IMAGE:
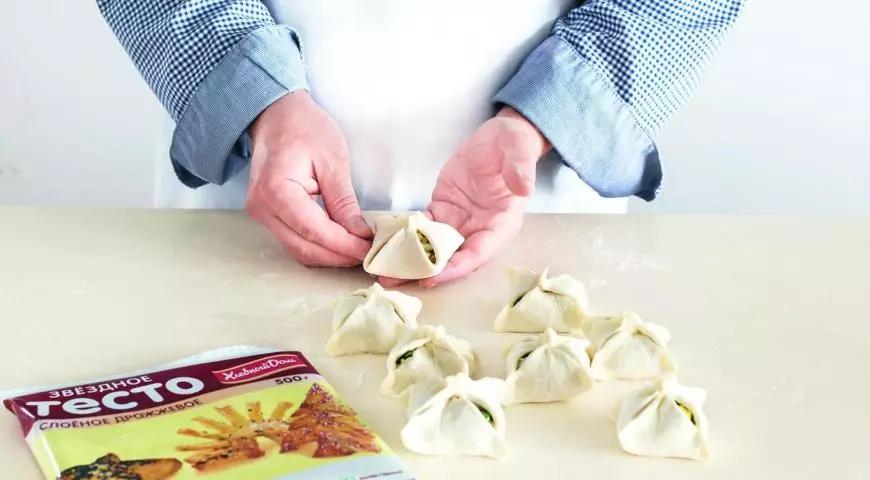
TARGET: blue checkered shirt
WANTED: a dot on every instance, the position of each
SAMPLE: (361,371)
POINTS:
(600,87)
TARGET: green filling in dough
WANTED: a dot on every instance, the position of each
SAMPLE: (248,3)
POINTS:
(404,358)
(427,246)
(486,415)
(523,359)
(688,412)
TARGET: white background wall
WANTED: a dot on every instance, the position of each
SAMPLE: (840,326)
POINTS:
(780,124)
(77,123)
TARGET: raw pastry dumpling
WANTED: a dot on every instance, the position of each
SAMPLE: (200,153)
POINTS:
(411,247)
(456,416)
(419,393)
(664,420)
(424,352)
(371,321)
(537,303)
(549,368)
(627,348)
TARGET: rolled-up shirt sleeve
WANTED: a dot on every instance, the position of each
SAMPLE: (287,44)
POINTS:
(215,65)
(602,86)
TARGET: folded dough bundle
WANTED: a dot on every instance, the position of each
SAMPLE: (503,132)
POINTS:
(371,320)
(411,247)
(426,352)
(664,420)
(627,348)
(549,368)
(537,303)
(455,416)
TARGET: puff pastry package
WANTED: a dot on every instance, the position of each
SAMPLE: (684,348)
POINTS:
(371,321)
(537,302)
(411,247)
(455,416)
(549,368)
(664,420)
(234,413)
(426,352)
(624,347)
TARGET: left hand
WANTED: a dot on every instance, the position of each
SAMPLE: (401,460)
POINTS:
(483,189)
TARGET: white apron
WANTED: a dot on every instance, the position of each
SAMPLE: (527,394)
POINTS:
(407,81)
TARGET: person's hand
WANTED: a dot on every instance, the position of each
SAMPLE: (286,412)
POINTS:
(483,189)
(298,154)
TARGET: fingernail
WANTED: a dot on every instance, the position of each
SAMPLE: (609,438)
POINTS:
(361,226)
(360,220)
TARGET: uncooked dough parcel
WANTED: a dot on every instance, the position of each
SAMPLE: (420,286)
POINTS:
(461,416)
(426,352)
(547,368)
(411,247)
(624,347)
(665,419)
(537,302)
(371,320)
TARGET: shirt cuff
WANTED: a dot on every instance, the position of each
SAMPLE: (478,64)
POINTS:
(589,126)
(211,142)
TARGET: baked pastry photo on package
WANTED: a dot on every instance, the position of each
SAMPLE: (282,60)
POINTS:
(547,368)
(223,415)
(411,247)
(456,416)
(665,419)
(371,321)
(424,352)
(111,467)
(624,347)
(537,302)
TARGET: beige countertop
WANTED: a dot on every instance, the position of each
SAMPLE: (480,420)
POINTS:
(770,315)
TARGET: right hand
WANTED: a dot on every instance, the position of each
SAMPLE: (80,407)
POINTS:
(298,154)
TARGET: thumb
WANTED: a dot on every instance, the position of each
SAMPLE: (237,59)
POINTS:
(341,203)
(519,173)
